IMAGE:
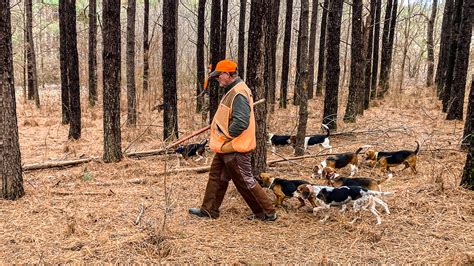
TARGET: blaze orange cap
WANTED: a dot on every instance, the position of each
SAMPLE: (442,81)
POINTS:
(225,65)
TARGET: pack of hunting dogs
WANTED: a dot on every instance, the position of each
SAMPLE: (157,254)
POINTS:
(360,193)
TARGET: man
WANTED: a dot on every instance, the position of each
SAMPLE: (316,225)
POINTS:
(233,139)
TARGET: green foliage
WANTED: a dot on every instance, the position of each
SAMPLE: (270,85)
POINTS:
(86,175)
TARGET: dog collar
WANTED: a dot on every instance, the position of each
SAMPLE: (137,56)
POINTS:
(376,155)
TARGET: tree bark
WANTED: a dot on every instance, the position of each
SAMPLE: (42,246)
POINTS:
(31,55)
(467,179)
(241,45)
(111,72)
(468,130)
(271,36)
(297,89)
(170,42)
(303,83)
(131,88)
(63,59)
(370,47)
(11,182)
(356,83)
(73,72)
(286,54)
(322,50)
(387,46)
(223,35)
(375,53)
(452,54)
(430,44)
(255,70)
(92,52)
(312,48)
(200,68)
(456,106)
(214,36)
(440,77)
(146,45)
(332,67)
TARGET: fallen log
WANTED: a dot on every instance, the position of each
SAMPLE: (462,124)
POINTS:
(38,166)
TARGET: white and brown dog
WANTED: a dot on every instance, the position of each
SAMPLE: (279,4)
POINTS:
(335,180)
(361,198)
(339,161)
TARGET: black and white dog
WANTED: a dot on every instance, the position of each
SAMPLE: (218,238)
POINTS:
(191,150)
(318,139)
(278,140)
(361,198)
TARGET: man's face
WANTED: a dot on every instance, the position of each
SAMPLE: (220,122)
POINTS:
(224,79)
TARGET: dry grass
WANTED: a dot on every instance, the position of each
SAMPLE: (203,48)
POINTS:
(88,213)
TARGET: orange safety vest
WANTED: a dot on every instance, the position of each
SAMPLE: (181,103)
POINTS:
(221,141)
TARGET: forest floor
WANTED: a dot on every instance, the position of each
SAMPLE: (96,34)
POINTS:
(89,213)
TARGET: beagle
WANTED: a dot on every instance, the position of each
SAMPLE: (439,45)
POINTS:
(333,179)
(339,161)
(361,198)
(315,139)
(191,150)
(283,188)
(278,140)
(393,158)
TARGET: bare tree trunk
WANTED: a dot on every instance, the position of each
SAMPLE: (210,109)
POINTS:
(146,45)
(92,52)
(271,36)
(322,50)
(255,70)
(467,179)
(25,57)
(356,83)
(170,42)
(452,54)
(370,47)
(111,72)
(430,44)
(312,47)
(346,49)
(286,54)
(214,36)
(387,46)
(375,53)
(73,72)
(468,130)
(303,83)
(63,59)
(223,35)
(11,182)
(131,88)
(297,88)
(200,69)
(456,107)
(333,68)
(241,48)
(440,78)
(31,56)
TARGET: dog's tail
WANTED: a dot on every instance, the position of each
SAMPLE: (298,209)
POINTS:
(327,129)
(417,148)
(379,193)
(358,150)
(204,142)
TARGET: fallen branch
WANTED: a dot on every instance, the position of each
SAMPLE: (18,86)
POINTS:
(37,166)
